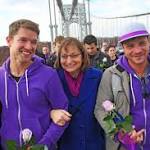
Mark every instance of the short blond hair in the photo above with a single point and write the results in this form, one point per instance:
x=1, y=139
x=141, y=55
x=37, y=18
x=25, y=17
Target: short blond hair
x=59, y=39
x=23, y=23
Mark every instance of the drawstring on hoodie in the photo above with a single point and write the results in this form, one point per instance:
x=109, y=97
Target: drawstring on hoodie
x=132, y=91
x=27, y=84
x=6, y=88
x=6, y=95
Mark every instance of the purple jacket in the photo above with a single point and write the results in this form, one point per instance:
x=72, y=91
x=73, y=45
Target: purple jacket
x=139, y=101
x=27, y=104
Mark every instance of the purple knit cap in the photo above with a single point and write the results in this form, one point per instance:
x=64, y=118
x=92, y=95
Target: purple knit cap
x=132, y=30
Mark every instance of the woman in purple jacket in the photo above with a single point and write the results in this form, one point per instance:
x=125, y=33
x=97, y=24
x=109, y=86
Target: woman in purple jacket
x=80, y=84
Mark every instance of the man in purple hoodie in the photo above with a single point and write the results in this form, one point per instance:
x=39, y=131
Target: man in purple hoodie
x=127, y=85
x=29, y=90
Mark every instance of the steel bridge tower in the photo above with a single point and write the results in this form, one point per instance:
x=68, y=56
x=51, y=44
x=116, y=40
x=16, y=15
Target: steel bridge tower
x=78, y=16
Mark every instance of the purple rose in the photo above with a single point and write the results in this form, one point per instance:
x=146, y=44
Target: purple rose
x=26, y=135
x=108, y=105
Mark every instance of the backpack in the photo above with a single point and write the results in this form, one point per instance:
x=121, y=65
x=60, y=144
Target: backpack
x=116, y=82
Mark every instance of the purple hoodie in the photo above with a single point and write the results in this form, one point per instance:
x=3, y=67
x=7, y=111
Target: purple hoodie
x=139, y=104
x=27, y=104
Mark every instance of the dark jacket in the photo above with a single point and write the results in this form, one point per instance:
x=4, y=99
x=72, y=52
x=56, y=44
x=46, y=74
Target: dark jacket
x=83, y=132
x=51, y=60
x=100, y=60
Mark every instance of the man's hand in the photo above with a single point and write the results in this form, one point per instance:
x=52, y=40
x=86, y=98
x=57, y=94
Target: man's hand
x=60, y=116
x=137, y=136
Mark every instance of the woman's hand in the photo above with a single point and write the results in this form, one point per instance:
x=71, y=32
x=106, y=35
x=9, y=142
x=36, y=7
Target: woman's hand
x=137, y=136
x=60, y=116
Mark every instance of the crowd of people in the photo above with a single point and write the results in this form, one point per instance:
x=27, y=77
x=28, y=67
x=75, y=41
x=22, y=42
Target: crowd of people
x=60, y=96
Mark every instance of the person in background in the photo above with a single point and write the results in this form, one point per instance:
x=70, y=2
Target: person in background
x=111, y=51
x=46, y=53
x=52, y=46
x=58, y=41
x=29, y=90
x=97, y=58
x=39, y=53
x=119, y=49
x=45, y=50
x=131, y=95
x=53, y=56
x=104, y=47
x=83, y=132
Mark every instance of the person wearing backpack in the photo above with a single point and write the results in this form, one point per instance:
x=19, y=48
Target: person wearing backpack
x=127, y=85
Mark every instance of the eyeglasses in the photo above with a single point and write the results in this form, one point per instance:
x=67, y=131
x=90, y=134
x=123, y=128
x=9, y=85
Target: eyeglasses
x=145, y=87
x=72, y=56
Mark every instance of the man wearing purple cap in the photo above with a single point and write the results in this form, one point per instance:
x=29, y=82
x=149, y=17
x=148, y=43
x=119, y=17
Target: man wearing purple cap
x=131, y=90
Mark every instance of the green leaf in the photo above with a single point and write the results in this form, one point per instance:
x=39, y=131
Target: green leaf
x=32, y=141
x=108, y=117
x=128, y=119
x=127, y=126
x=24, y=147
x=37, y=147
x=113, y=132
x=110, y=125
x=11, y=145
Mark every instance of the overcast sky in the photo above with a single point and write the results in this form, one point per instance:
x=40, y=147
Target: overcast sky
x=38, y=11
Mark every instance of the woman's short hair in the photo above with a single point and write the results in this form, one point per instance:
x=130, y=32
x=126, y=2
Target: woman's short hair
x=73, y=41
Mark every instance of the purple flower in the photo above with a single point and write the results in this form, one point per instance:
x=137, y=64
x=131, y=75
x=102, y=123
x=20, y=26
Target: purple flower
x=115, y=122
x=108, y=106
x=26, y=135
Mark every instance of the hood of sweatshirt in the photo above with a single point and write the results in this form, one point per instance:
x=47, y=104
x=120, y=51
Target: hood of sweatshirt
x=37, y=62
x=123, y=62
x=136, y=82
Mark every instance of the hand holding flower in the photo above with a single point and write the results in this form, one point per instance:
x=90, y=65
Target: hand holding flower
x=120, y=127
x=137, y=136
x=118, y=122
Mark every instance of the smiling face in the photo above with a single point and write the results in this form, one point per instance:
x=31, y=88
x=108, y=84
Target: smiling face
x=22, y=46
x=45, y=50
x=111, y=52
x=136, y=50
x=71, y=59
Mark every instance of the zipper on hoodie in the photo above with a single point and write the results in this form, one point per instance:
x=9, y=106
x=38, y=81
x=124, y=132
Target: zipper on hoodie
x=18, y=102
x=145, y=120
x=145, y=117
x=19, y=113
